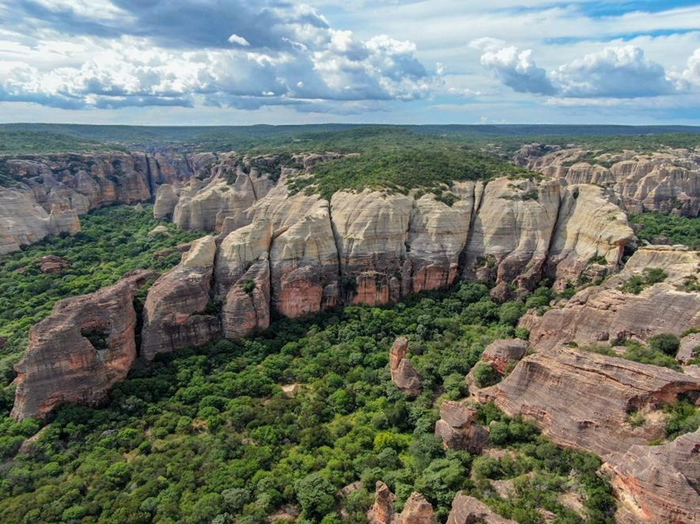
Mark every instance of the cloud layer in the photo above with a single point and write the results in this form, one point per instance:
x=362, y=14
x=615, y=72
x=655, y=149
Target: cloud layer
x=613, y=72
x=158, y=52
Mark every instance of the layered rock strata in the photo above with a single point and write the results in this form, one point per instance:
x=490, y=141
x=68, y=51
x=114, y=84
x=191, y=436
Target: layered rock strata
x=667, y=181
x=503, y=353
x=49, y=193
x=87, y=345
x=175, y=313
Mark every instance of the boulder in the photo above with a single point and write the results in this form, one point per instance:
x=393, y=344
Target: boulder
x=416, y=510
x=689, y=348
x=403, y=374
x=502, y=353
x=54, y=264
x=468, y=510
x=457, y=429
x=77, y=354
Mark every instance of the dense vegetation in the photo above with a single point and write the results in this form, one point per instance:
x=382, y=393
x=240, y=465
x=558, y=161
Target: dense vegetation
x=209, y=435
x=679, y=230
x=112, y=242
x=34, y=142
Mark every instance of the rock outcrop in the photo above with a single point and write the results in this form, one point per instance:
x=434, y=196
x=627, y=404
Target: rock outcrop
x=50, y=192
x=658, y=484
x=468, y=510
x=54, y=264
x=458, y=430
x=602, y=313
x=689, y=348
x=403, y=375
x=667, y=181
x=77, y=354
x=416, y=510
x=247, y=305
x=503, y=353
x=549, y=387
x=175, y=313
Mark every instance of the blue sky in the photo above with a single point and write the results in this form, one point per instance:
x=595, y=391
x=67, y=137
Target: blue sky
x=382, y=61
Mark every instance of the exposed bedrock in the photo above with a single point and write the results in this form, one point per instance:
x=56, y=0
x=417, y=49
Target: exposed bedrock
x=87, y=345
x=468, y=510
x=416, y=510
x=667, y=181
x=588, y=401
x=600, y=314
x=50, y=192
x=174, y=314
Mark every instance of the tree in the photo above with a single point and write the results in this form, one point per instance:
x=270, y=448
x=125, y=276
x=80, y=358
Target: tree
x=666, y=343
x=316, y=496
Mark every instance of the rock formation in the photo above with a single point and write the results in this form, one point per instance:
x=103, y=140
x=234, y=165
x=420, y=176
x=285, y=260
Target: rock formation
x=50, y=192
x=77, y=354
x=602, y=313
x=416, y=510
x=502, y=353
x=658, y=483
x=54, y=264
x=665, y=181
x=549, y=386
x=175, y=310
x=402, y=372
x=247, y=305
x=458, y=430
x=689, y=348
x=468, y=510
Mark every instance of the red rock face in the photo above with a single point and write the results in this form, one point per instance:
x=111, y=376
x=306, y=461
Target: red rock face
x=54, y=264
x=247, y=306
x=417, y=510
x=501, y=353
x=434, y=276
x=300, y=293
x=86, y=346
x=372, y=289
x=402, y=372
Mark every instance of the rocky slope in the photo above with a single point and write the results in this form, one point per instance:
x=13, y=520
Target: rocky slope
x=667, y=181
x=50, y=192
x=594, y=402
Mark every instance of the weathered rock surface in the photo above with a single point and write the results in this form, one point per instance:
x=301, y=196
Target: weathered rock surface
x=54, y=264
x=501, y=353
x=457, y=429
x=601, y=313
x=174, y=312
x=166, y=200
x=63, y=364
x=468, y=510
x=52, y=191
x=583, y=400
x=658, y=484
x=247, y=306
x=402, y=372
x=667, y=181
x=689, y=348
x=416, y=510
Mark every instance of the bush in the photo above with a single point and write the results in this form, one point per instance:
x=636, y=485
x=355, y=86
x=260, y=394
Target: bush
x=485, y=375
x=667, y=343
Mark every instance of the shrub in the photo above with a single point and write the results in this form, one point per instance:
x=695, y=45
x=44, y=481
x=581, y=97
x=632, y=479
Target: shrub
x=666, y=343
x=485, y=375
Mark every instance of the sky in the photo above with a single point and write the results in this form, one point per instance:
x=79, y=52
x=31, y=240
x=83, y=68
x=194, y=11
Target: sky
x=241, y=62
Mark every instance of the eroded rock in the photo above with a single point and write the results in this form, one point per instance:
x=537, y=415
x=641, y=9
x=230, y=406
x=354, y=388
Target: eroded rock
x=503, y=353
x=458, y=430
x=77, y=354
x=402, y=372
x=468, y=510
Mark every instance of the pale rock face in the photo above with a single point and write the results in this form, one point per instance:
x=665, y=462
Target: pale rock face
x=512, y=231
x=602, y=313
x=239, y=250
x=247, y=310
x=589, y=226
x=371, y=230
x=666, y=181
x=23, y=221
x=457, y=429
x=62, y=365
x=206, y=209
x=436, y=238
x=173, y=313
x=166, y=201
x=303, y=262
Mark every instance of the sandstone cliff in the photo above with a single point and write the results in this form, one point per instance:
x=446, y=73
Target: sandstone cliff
x=77, y=354
x=50, y=192
x=667, y=181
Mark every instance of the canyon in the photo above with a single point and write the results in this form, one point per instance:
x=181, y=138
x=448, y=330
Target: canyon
x=273, y=251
